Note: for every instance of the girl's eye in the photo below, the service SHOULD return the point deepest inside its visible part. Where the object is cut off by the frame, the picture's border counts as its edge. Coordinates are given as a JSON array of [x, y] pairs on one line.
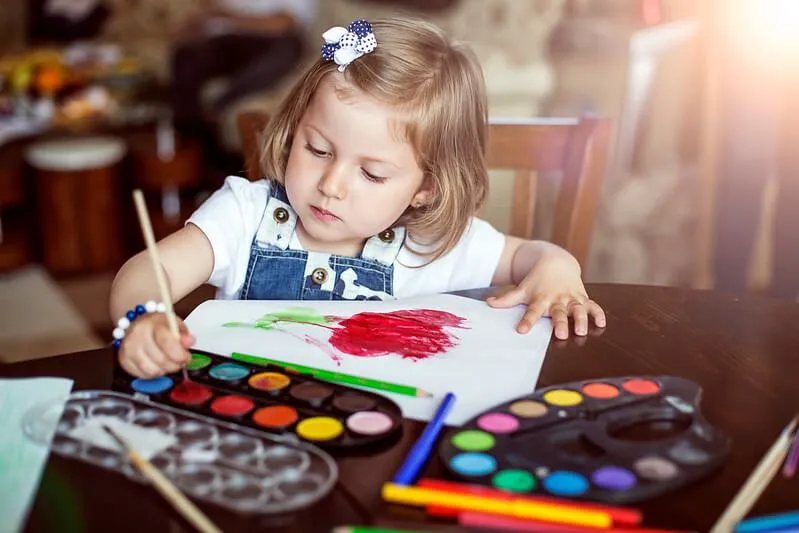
[[315, 151], [373, 178]]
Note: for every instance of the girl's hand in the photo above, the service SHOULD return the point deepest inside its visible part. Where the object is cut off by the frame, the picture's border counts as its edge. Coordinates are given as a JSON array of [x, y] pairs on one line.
[[553, 288], [150, 349]]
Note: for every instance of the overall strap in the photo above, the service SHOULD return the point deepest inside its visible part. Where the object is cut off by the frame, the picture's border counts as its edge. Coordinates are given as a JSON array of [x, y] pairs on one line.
[[385, 246], [278, 221]]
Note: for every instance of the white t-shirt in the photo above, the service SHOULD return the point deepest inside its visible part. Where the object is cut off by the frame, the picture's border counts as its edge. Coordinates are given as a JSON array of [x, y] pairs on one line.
[[230, 218], [303, 10]]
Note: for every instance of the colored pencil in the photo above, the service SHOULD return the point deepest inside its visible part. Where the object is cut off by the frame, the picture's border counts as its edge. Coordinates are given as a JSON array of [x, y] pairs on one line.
[[626, 516], [490, 521], [165, 487], [370, 529], [334, 377], [423, 446], [774, 522], [756, 483], [789, 467], [516, 508]]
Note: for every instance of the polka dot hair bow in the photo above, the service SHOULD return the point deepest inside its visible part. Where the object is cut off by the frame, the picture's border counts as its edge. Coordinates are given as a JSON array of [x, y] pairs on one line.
[[344, 45]]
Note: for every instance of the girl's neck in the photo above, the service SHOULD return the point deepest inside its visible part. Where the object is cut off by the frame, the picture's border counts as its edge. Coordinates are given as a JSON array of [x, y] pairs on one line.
[[347, 248]]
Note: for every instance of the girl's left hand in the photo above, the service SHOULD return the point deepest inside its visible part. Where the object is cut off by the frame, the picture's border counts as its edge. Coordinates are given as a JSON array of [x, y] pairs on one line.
[[553, 288]]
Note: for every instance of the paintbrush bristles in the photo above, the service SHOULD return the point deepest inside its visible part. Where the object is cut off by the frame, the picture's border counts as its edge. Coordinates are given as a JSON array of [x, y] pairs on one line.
[[149, 239]]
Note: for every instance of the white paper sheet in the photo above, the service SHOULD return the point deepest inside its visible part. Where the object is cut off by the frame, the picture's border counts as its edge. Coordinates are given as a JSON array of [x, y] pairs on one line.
[[490, 362], [21, 459]]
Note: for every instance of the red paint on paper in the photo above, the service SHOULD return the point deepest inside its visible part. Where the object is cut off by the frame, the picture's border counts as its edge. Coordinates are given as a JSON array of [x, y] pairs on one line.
[[413, 333]]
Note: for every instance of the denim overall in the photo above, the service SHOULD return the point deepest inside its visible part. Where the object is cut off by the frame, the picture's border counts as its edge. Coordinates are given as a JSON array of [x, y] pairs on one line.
[[276, 272]]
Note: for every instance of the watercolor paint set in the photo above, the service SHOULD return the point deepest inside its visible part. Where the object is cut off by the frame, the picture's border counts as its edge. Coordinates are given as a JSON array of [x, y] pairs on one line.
[[617, 440], [220, 463], [271, 399]]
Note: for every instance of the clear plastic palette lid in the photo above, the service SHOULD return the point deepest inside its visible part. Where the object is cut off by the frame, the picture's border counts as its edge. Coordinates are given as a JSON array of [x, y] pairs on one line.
[[231, 466]]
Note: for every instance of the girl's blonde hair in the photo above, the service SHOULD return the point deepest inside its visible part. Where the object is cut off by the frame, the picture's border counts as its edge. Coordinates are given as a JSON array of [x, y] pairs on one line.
[[438, 86]]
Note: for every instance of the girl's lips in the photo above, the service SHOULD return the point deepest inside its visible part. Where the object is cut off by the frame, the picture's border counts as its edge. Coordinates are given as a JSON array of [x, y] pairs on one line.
[[323, 215]]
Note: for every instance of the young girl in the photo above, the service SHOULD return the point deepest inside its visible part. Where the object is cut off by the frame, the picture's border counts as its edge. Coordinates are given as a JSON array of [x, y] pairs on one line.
[[375, 166]]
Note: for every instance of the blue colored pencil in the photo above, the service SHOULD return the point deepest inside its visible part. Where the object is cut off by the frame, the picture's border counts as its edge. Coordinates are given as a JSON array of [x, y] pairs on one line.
[[424, 445], [776, 522]]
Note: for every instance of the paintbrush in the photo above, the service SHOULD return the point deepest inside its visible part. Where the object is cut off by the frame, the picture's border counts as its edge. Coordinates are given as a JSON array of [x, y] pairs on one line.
[[757, 481], [165, 487], [149, 239]]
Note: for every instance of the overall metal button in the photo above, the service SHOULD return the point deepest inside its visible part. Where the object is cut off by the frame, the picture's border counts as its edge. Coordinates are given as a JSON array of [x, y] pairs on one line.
[[281, 215], [319, 275], [387, 236]]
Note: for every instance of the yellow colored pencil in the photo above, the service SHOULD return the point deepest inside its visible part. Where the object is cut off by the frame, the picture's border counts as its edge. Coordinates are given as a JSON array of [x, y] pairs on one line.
[[518, 508]]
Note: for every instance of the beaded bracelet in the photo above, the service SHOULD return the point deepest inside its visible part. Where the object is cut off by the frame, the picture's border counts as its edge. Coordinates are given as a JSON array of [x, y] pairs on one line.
[[124, 323]]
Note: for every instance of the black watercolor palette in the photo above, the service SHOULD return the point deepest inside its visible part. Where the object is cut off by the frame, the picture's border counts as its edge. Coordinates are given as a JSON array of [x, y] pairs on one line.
[[267, 398], [614, 440]]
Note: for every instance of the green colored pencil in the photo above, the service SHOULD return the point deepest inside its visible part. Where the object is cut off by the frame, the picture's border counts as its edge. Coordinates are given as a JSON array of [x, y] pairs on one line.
[[334, 377], [370, 529]]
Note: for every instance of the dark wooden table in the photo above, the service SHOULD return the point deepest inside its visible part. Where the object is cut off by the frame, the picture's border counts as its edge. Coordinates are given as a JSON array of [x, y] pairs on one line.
[[744, 352]]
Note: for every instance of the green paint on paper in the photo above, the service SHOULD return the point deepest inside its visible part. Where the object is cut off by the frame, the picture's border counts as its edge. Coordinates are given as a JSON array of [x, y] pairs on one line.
[[297, 315]]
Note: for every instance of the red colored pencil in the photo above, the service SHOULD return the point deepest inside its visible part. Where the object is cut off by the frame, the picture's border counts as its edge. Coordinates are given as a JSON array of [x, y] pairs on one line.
[[620, 515], [492, 521]]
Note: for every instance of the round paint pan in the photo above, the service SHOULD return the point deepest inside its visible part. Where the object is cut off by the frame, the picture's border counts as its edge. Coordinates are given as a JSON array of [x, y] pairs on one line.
[[641, 387], [198, 362], [190, 393], [232, 406], [275, 416], [311, 392], [229, 372], [320, 428], [152, 386], [370, 423], [271, 382], [353, 402]]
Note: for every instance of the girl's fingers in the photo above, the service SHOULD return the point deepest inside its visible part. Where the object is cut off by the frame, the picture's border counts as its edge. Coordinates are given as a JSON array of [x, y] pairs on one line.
[[187, 340], [579, 313], [149, 369], [165, 364], [170, 350], [560, 320], [130, 366], [534, 312], [597, 312], [514, 296]]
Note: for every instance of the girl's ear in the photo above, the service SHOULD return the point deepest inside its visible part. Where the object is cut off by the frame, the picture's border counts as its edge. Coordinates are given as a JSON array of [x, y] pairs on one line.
[[424, 196]]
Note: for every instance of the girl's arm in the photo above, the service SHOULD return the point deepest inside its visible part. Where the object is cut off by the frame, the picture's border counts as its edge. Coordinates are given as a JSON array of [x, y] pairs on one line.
[[187, 259], [520, 256]]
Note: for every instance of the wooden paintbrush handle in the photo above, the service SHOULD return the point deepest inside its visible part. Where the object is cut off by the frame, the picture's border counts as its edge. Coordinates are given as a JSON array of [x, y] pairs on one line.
[[173, 495], [149, 239]]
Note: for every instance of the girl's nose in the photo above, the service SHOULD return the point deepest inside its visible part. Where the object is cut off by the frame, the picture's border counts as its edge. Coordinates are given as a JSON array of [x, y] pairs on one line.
[[334, 183]]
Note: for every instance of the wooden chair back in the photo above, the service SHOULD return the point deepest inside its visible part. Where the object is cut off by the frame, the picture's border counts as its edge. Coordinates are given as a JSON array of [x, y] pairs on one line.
[[574, 147], [250, 126], [577, 148]]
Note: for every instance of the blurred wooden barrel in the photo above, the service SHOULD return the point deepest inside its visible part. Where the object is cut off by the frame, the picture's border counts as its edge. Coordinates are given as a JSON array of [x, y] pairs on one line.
[[78, 195]]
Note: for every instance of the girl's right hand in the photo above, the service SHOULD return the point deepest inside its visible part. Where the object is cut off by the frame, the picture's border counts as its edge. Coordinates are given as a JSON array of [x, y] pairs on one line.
[[150, 349]]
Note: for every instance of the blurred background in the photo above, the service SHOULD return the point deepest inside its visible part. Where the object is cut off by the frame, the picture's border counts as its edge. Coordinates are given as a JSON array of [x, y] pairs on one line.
[[699, 180]]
